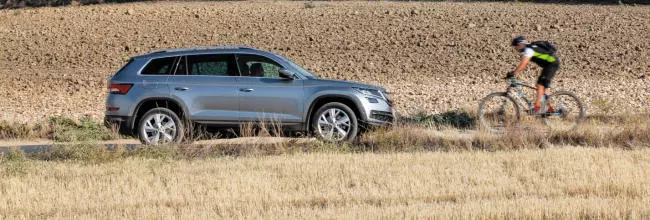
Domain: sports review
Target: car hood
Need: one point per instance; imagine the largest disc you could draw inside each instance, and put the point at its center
(343, 83)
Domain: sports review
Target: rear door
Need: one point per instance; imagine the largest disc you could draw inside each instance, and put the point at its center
(154, 77)
(263, 95)
(207, 85)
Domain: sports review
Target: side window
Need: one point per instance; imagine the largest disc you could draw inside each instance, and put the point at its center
(211, 65)
(258, 66)
(160, 66)
(181, 68)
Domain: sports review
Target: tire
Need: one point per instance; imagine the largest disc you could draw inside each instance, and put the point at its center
(572, 112)
(156, 120)
(321, 123)
(511, 115)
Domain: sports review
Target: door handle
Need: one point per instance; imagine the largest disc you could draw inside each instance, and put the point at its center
(181, 88)
(246, 90)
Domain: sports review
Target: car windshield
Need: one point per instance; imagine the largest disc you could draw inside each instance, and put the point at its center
(300, 69)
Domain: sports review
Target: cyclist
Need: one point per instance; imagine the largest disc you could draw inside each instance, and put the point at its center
(543, 54)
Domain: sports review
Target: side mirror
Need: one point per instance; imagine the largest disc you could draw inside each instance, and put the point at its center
(286, 74)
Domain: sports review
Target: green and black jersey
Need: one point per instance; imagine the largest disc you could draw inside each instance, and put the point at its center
(540, 55)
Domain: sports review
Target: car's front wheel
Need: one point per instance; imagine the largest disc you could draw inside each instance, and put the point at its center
(335, 122)
(160, 126)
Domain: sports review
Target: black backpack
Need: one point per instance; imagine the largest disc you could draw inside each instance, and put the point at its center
(545, 46)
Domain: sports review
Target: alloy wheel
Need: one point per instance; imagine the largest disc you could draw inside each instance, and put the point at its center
(334, 124)
(159, 129)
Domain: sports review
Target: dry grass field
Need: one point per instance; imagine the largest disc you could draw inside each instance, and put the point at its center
(559, 182)
(409, 171)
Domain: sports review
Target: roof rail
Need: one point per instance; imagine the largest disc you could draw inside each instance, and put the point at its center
(202, 48)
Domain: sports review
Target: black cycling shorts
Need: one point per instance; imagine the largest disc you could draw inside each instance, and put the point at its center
(548, 72)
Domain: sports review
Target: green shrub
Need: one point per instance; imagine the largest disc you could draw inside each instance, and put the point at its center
(67, 130)
(310, 4)
(85, 152)
(14, 130)
(59, 129)
(166, 152)
(14, 163)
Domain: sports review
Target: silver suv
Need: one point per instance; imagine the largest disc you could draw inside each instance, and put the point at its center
(159, 96)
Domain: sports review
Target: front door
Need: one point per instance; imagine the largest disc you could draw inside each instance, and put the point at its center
(264, 96)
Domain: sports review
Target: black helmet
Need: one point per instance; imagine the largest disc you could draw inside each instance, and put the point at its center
(519, 40)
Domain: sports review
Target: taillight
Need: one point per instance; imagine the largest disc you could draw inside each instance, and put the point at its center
(119, 88)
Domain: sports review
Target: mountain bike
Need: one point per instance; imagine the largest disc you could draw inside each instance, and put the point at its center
(498, 111)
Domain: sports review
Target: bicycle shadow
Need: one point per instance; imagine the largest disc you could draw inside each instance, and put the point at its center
(451, 119)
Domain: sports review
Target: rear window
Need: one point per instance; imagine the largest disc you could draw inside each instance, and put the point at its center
(212, 65)
(160, 66)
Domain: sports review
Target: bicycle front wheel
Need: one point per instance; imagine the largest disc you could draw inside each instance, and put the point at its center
(566, 111)
(497, 112)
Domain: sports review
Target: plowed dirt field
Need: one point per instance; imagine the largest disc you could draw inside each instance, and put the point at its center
(433, 57)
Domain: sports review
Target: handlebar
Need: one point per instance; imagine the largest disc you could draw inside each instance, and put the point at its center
(512, 80)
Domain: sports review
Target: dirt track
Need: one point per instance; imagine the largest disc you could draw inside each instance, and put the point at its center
(431, 56)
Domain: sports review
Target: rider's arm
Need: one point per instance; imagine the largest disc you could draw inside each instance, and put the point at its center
(525, 59)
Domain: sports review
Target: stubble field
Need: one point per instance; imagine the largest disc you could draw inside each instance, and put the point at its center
(433, 57)
(564, 182)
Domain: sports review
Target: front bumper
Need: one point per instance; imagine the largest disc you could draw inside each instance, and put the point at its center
(382, 116)
(378, 112)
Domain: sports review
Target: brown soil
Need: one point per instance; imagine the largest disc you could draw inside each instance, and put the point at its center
(432, 56)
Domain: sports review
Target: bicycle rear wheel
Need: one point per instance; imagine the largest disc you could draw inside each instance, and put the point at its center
(567, 112)
(497, 112)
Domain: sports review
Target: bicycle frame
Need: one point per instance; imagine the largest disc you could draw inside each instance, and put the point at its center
(516, 85)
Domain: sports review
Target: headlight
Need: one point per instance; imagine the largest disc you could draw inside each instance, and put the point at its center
(370, 92)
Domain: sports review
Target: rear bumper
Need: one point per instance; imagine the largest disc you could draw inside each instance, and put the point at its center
(120, 123)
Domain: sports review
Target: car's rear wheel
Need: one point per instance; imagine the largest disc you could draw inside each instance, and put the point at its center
(335, 122)
(160, 126)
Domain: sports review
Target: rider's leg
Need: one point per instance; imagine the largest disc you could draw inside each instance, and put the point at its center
(540, 93)
(549, 107)
(544, 82)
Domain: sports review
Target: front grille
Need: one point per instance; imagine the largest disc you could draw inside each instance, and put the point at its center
(381, 115)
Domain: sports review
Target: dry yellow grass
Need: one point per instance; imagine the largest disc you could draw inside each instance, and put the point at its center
(559, 182)
(630, 131)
